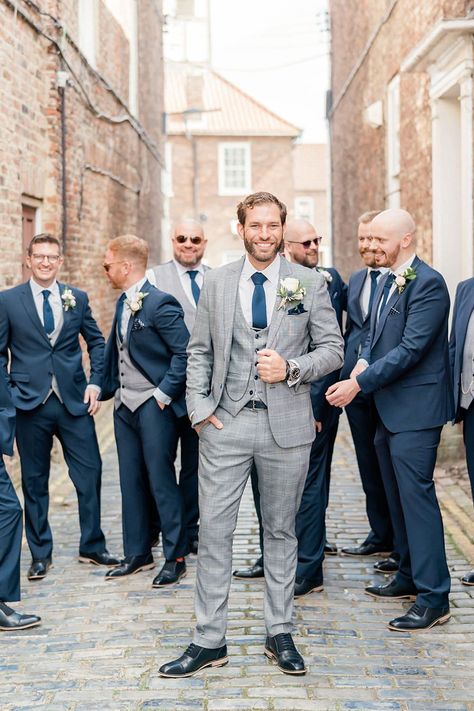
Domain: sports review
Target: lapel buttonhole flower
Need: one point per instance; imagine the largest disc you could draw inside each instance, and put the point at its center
(68, 299)
(290, 291)
(136, 302)
(401, 280)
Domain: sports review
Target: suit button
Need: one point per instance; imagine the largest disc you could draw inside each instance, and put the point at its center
(250, 392)
(123, 386)
(122, 374)
(256, 335)
(121, 360)
(255, 377)
(256, 350)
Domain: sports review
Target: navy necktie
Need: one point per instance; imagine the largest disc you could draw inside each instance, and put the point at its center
(118, 315)
(194, 287)
(373, 288)
(386, 288)
(48, 316)
(259, 304)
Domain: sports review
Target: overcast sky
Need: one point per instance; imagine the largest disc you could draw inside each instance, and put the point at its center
(277, 51)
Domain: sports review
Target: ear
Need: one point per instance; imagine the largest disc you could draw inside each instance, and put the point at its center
(407, 239)
(240, 230)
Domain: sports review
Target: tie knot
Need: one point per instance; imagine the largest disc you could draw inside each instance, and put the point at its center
(374, 274)
(192, 274)
(46, 293)
(122, 297)
(258, 278)
(390, 279)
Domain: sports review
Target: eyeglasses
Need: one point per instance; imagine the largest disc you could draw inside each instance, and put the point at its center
(182, 239)
(307, 243)
(51, 258)
(107, 265)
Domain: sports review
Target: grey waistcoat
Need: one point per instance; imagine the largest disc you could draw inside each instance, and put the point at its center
(134, 388)
(467, 372)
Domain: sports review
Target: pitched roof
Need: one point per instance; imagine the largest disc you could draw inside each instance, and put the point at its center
(226, 110)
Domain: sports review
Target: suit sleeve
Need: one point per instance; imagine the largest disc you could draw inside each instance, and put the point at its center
(168, 320)
(4, 338)
(200, 360)
(427, 310)
(95, 344)
(452, 337)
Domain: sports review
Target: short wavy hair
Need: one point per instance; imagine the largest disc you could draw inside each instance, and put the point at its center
(258, 199)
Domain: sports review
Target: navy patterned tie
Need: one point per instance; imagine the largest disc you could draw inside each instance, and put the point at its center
(194, 287)
(259, 304)
(48, 316)
(118, 315)
(373, 288)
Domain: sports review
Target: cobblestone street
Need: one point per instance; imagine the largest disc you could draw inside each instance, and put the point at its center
(100, 644)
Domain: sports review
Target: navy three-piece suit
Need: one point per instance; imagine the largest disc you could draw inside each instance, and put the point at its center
(40, 414)
(362, 418)
(409, 377)
(147, 437)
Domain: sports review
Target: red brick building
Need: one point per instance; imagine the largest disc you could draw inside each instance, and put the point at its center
(81, 96)
(401, 124)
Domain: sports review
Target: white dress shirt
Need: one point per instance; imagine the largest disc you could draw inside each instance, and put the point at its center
(184, 278)
(55, 303)
(246, 287)
(365, 293)
(158, 394)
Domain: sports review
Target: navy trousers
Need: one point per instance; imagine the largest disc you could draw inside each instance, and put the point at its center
(147, 441)
(11, 528)
(363, 419)
(407, 461)
(468, 432)
(34, 435)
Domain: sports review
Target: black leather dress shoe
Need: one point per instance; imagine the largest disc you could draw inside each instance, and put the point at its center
(131, 565)
(392, 591)
(11, 620)
(102, 558)
(193, 660)
(281, 650)
(387, 565)
(193, 547)
(304, 586)
(420, 618)
(255, 571)
(330, 549)
(170, 573)
(468, 579)
(39, 568)
(366, 549)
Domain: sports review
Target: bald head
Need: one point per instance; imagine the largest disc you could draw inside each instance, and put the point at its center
(392, 237)
(301, 243)
(188, 242)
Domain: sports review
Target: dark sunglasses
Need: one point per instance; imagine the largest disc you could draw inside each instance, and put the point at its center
(307, 243)
(181, 239)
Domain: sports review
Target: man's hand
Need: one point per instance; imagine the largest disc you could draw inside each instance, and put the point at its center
(161, 405)
(90, 398)
(359, 368)
(318, 426)
(342, 393)
(271, 367)
(213, 421)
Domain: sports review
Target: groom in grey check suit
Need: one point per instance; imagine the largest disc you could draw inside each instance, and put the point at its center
(251, 359)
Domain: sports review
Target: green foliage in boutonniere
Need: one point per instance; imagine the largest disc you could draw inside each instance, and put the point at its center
(402, 279)
(290, 291)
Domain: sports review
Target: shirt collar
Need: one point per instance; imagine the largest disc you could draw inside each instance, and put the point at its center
(404, 266)
(272, 272)
(382, 270)
(132, 290)
(182, 269)
(37, 289)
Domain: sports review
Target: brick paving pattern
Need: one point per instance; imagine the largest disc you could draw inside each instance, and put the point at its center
(101, 643)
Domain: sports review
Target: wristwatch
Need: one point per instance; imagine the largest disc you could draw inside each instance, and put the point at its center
(292, 372)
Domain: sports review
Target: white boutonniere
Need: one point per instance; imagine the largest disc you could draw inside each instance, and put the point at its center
(290, 291)
(136, 302)
(68, 299)
(327, 275)
(402, 279)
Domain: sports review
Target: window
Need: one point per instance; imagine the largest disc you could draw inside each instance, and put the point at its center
(393, 143)
(304, 208)
(30, 226)
(234, 169)
(87, 24)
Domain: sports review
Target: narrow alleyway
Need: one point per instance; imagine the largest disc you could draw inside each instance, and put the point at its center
(101, 643)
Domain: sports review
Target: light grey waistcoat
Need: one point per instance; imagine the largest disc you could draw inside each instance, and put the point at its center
(134, 388)
(467, 372)
(242, 382)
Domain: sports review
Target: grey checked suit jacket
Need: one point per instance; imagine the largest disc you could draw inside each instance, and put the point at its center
(167, 279)
(313, 338)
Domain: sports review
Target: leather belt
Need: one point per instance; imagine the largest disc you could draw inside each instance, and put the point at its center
(255, 405)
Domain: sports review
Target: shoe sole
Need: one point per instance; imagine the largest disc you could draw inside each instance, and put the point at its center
(244, 577)
(318, 588)
(83, 559)
(20, 627)
(383, 554)
(149, 566)
(439, 621)
(464, 582)
(165, 585)
(215, 663)
(385, 572)
(39, 577)
(272, 657)
(331, 553)
(410, 598)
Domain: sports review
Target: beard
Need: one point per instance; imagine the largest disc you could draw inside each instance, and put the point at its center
(253, 250)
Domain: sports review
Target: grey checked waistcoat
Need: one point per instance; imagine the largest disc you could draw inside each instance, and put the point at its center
(134, 388)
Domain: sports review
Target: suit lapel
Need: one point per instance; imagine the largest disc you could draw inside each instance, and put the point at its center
(30, 308)
(67, 315)
(463, 320)
(355, 309)
(145, 290)
(230, 295)
(277, 315)
(391, 303)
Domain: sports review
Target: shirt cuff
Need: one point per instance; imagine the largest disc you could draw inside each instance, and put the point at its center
(94, 387)
(160, 396)
(363, 362)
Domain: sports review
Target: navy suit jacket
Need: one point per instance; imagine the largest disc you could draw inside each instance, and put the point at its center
(407, 352)
(337, 291)
(34, 359)
(7, 416)
(157, 339)
(357, 328)
(463, 306)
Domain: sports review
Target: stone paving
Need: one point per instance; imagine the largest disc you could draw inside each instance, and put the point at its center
(101, 643)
